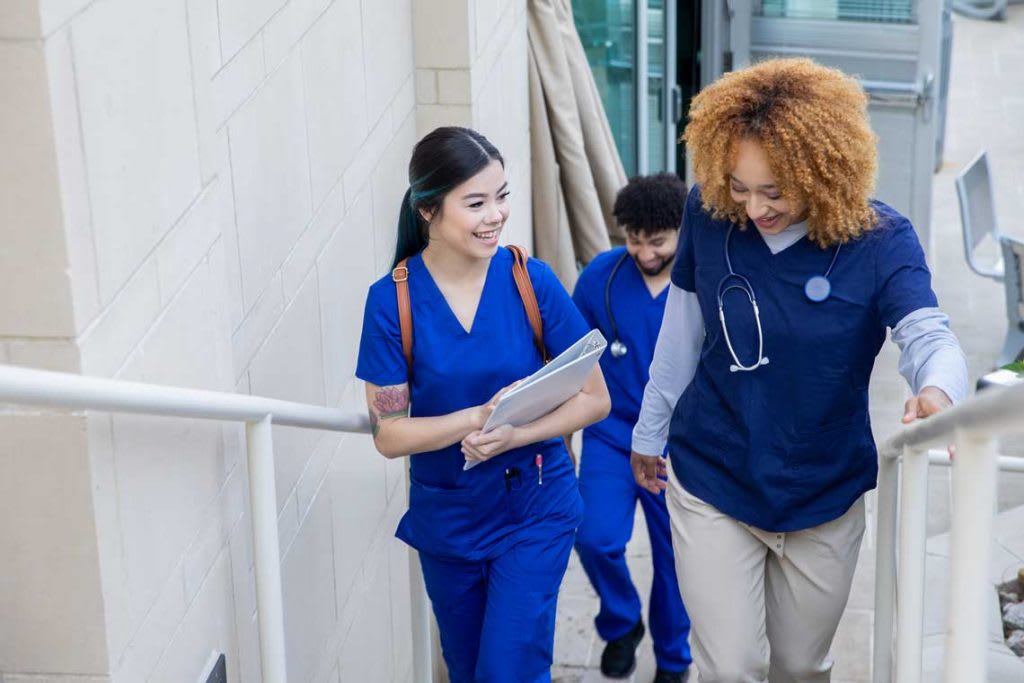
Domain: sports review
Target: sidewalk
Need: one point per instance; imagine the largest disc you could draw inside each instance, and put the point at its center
(986, 109)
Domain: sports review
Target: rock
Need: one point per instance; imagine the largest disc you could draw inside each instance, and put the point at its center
(1013, 616)
(1016, 643)
(1006, 596)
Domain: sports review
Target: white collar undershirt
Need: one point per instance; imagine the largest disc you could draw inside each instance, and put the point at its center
(785, 239)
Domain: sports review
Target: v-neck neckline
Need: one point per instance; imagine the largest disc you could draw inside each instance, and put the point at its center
(652, 298)
(447, 306)
(782, 262)
(764, 243)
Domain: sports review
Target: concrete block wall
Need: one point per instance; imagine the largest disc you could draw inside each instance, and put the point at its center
(198, 193)
(471, 70)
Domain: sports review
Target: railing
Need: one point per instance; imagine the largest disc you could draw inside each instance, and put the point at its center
(973, 428)
(60, 390)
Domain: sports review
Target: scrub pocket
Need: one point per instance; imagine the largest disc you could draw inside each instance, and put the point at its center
(827, 447)
(450, 522)
(519, 493)
(555, 499)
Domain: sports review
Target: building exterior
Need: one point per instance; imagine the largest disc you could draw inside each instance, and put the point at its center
(197, 193)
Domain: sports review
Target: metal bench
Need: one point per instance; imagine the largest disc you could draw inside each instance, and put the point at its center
(978, 218)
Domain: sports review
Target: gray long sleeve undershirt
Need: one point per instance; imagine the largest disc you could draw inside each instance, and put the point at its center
(930, 355)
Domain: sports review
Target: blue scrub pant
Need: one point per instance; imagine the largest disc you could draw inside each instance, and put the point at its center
(610, 496)
(497, 617)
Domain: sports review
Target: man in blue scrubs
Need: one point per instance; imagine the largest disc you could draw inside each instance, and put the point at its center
(623, 292)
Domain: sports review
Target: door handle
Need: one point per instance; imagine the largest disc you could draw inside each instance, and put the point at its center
(902, 93)
(676, 112)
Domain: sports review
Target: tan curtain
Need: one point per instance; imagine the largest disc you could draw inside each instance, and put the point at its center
(576, 168)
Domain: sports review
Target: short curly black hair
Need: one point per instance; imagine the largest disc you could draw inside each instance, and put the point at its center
(651, 204)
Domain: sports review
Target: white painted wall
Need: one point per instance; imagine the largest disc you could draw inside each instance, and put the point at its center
(197, 193)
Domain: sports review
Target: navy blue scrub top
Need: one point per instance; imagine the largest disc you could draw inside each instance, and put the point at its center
(789, 446)
(638, 318)
(479, 513)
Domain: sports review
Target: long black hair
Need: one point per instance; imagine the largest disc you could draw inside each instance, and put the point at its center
(444, 158)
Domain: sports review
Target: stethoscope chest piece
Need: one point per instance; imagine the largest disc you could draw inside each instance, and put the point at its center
(616, 348)
(817, 288)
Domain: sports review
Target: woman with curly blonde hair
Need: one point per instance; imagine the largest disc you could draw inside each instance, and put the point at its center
(786, 278)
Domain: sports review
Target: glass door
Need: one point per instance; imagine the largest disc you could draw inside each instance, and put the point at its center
(607, 30)
(630, 46)
(659, 87)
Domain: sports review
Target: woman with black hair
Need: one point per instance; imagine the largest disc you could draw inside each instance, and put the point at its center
(494, 540)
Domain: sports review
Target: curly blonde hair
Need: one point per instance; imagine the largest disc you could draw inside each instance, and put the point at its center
(811, 122)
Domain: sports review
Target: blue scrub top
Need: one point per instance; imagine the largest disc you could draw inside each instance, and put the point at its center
(638, 318)
(789, 446)
(474, 514)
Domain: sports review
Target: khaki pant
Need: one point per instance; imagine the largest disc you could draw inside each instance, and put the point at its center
(763, 606)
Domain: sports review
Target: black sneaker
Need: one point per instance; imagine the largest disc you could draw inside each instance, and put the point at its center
(663, 676)
(619, 657)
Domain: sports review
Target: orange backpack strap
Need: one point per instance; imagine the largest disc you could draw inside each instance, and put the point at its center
(529, 297)
(400, 275)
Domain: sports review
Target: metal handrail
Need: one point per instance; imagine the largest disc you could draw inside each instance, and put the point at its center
(25, 386)
(973, 426)
(42, 387)
(902, 519)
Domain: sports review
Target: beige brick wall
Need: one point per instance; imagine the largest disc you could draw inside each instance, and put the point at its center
(197, 193)
(471, 71)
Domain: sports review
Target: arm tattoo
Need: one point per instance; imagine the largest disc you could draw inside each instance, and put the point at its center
(392, 401)
(389, 402)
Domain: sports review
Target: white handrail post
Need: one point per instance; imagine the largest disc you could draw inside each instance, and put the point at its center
(266, 551)
(974, 488)
(910, 581)
(885, 567)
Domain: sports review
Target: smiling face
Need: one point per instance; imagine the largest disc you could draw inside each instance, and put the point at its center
(472, 214)
(652, 252)
(752, 184)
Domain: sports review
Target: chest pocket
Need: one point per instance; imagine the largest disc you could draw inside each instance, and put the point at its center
(833, 333)
(828, 349)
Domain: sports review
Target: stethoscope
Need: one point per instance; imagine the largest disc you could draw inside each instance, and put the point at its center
(617, 348)
(818, 288)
